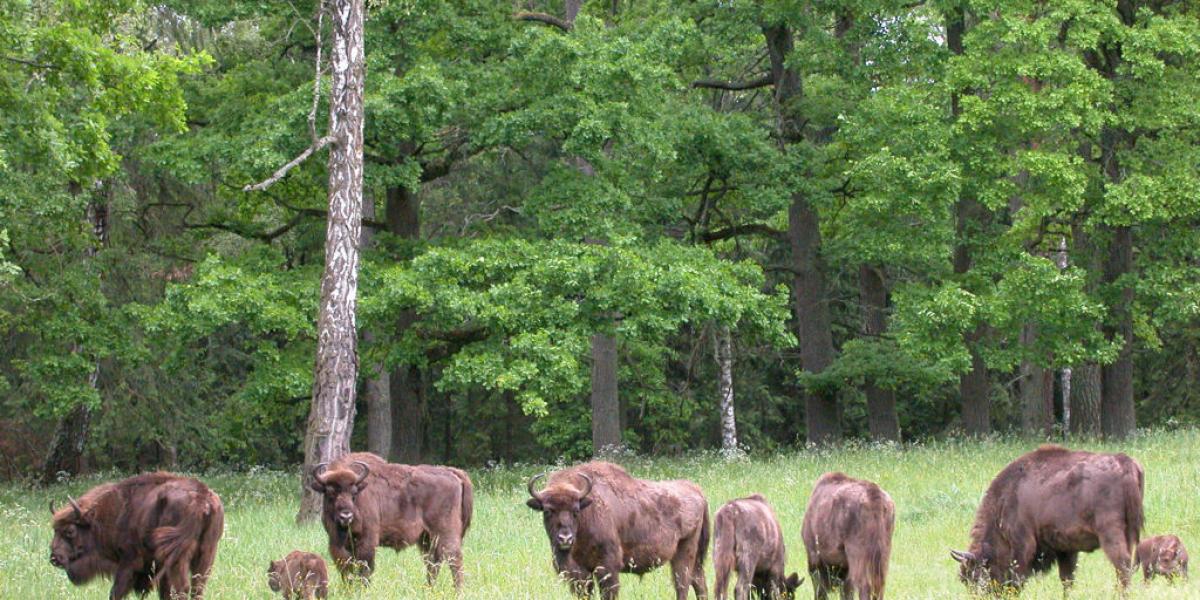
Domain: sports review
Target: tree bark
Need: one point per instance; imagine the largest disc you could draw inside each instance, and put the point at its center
(882, 421)
(331, 418)
(71, 433)
(822, 415)
(1117, 411)
(606, 408)
(378, 385)
(973, 386)
(1036, 390)
(408, 406)
(723, 353)
(1085, 399)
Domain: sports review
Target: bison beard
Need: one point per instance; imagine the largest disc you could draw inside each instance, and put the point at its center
(154, 530)
(1046, 507)
(848, 535)
(748, 538)
(601, 522)
(368, 502)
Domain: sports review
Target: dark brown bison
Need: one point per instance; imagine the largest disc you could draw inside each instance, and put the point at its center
(157, 530)
(299, 575)
(602, 522)
(1046, 507)
(848, 535)
(747, 537)
(368, 502)
(1162, 555)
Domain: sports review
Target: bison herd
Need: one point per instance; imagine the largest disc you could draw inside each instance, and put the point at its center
(160, 531)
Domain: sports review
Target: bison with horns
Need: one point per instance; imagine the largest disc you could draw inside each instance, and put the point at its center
(156, 530)
(1045, 508)
(368, 502)
(603, 522)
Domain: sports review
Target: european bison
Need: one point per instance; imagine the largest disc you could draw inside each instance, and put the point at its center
(602, 522)
(300, 575)
(747, 536)
(1046, 507)
(368, 502)
(848, 535)
(1162, 555)
(156, 530)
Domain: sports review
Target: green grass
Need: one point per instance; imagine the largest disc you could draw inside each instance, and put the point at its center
(936, 489)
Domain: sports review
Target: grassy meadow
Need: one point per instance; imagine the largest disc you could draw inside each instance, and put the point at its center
(936, 488)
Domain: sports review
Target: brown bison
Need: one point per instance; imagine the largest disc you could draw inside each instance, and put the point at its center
(747, 536)
(602, 522)
(157, 530)
(1046, 507)
(299, 575)
(368, 502)
(1162, 555)
(848, 535)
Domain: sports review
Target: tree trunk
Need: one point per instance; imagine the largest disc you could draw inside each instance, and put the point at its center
(1117, 411)
(378, 385)
(70, 435)
(331, 419)
(1037, 391)
(408, 415)
(882, 421)
(606, 408)
(1085, 399)
(973, 386)
(723, 353)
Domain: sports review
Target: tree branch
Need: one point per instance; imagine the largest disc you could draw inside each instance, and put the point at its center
(268, 182)
(544, 19)
(718, 84)
(738, 230)
(25, 61)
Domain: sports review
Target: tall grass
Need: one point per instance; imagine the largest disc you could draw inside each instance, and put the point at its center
(936, 488)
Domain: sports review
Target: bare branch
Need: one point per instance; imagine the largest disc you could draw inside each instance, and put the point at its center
(738, 230)
(718, 84)
(268, 182)
(545, 19)
(25, 61)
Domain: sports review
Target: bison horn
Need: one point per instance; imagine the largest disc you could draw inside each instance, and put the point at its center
(319, 469)
(533, 481)
(962, 557)
(366, 470)
(589, 486)
(52, 511)
(75, 505)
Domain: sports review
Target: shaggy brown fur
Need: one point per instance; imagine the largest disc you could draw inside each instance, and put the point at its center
(1162, 555)
(369, 502)
(848, 535)
(154, 530)
(299, 575)
(1046, 507)
(601, 522)
(747, 536)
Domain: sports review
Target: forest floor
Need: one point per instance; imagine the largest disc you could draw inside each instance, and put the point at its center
(936, 488)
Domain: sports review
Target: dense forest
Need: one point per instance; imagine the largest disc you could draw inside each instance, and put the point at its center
(662, 225)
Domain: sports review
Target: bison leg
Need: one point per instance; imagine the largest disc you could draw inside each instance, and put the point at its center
(823, 579)
(724, 568)
(1066, 568)
(609, 578)
(1117, 551)
(123, 581)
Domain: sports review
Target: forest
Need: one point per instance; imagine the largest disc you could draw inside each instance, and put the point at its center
(654, 227)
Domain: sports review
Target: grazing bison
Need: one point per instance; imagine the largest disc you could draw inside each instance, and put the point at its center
(299, 575)
(1162, 555)
(602, 522)
(747, 536)
(156, 530)
(368, 502)
(1046, 507)
(848, 535)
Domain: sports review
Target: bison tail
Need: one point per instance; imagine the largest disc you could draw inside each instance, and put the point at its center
(468, 499)
(1135, 517)
(724, 546)
(174, 546)
(702, 548)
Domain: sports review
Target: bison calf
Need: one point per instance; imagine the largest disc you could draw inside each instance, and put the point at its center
(299, 575)
(368, 502)
(747, 536)
(601, 522)
(848, 535)
(156, 530)
(1162, 555)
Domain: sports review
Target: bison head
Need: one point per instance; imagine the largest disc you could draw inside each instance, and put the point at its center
(560, 506)
(73, 548)
(984, 571)
(1169, 559)
(340, 488)
(276, 575)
